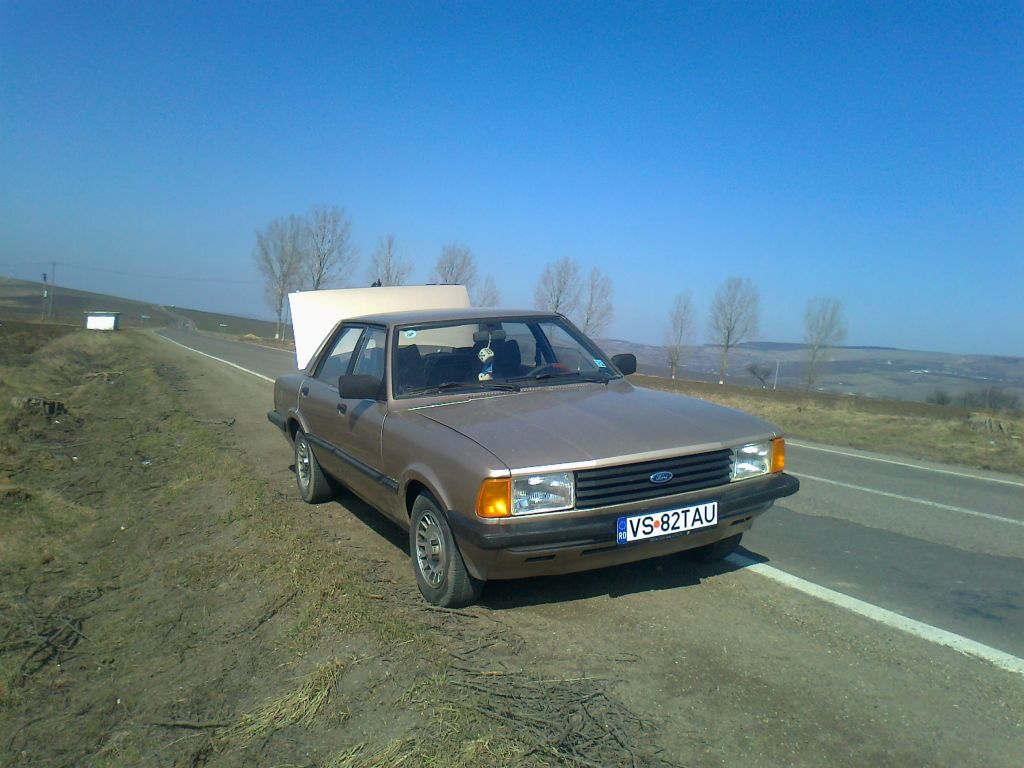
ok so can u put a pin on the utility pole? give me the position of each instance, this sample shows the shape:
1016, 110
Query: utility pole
46, 294
53, 286
776, 384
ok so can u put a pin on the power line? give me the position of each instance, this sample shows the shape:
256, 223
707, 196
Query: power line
123, 273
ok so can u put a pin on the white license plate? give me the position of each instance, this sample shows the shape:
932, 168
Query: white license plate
667, 522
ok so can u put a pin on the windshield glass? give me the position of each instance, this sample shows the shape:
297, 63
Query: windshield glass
493, 354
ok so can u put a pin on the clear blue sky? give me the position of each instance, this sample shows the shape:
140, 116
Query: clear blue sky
869, 151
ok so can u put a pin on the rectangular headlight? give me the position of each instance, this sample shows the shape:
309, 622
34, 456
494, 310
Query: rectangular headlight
543, 493
751, 460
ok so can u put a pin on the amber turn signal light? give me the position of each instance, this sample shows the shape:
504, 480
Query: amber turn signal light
778, 454
494, 499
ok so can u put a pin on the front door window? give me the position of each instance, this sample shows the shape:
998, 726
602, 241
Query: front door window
337, 361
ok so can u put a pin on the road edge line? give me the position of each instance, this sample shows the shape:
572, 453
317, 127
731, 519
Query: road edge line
918, 629
923, 468
912, 499
218, 359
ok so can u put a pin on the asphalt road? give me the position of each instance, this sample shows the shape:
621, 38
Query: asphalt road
938, 544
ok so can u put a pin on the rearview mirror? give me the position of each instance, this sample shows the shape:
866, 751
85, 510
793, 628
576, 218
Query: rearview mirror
625, 362
482, 337
359, 386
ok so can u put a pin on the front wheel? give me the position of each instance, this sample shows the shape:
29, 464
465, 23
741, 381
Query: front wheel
314, 486
719, 550
441, 572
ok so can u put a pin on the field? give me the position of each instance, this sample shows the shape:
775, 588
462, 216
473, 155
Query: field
21, 300
877, 372
161, 604
226, 324
916, 430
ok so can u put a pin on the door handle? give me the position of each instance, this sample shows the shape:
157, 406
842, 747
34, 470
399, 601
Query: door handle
342, 408
304, 390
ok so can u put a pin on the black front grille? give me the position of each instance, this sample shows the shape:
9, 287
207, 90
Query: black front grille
632, 482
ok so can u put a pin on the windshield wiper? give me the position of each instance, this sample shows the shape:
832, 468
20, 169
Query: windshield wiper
448, 386
578, 375
502, 385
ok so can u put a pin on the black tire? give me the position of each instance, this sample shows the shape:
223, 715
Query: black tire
712, 553
314, 486
437, 563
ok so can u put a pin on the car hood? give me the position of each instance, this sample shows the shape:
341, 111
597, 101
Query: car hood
595, 424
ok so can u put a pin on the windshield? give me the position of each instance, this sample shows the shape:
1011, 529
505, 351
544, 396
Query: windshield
493, 354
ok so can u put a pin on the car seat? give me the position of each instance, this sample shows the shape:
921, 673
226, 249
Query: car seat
410, 368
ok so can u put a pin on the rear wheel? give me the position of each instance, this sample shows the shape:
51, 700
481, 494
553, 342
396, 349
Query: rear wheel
441, 572
314, 487
712, 553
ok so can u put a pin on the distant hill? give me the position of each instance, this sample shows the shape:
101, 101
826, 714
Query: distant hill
868, 371
23, 300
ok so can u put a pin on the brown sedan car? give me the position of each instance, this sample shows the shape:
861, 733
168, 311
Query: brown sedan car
510, 445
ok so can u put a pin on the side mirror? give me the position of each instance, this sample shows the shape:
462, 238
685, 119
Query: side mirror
359, 386
625, 362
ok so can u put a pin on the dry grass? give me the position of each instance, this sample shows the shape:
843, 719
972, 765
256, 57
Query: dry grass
397, 754
299, 706
178, 598
945, 434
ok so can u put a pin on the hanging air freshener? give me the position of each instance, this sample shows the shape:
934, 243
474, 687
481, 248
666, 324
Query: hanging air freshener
486, 356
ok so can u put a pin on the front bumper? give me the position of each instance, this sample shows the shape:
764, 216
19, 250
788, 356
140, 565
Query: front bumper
554, 545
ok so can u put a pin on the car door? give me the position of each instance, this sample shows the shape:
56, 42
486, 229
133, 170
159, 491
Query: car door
318, 397
352, 428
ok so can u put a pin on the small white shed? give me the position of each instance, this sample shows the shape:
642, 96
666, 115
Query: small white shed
102, 321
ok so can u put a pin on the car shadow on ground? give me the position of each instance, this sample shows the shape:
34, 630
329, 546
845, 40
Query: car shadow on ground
346, 502
657, 574
654, 575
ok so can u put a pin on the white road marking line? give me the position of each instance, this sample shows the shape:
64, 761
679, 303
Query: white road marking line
919, 629
971, 475
218, 359
950, 507
267, 346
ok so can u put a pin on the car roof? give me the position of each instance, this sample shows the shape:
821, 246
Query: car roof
443, 315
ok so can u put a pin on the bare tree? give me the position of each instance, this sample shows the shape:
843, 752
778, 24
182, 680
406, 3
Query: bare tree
679, 331
824, 327
330, 257
597, 303
488, 295
386, 266
761, 372
456, 266
278, 256
939, 396
733, 319
991, 398
559, 287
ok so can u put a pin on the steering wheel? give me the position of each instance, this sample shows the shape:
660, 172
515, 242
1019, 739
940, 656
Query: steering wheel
548, 368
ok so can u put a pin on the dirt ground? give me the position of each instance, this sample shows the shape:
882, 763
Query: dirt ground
165, 599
